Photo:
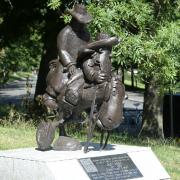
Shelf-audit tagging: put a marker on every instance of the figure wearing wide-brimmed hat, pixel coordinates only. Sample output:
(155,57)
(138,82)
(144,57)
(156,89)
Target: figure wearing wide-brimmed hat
(73,37)
(70,40)
(80,79)
(80,13)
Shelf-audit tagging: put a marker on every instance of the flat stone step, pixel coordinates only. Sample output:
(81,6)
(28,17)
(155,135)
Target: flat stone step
(117,161)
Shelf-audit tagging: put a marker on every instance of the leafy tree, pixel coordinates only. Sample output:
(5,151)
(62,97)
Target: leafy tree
(53,21)
(20,38)
(18,22)
(150,40)
(28,30)
(22,55)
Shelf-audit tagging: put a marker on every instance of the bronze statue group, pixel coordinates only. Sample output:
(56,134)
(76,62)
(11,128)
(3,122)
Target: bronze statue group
(81,79)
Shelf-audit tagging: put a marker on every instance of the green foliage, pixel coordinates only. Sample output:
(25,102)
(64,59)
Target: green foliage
(66,18)
(21,55)
(161,54)
(1,20)
(54,4)
(13,137)
(117,17)
(27,114)
(149,36)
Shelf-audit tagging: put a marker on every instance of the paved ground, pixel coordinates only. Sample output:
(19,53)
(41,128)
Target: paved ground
(135,100)
(15,91)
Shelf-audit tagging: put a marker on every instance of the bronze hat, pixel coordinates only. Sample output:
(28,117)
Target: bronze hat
(80,13)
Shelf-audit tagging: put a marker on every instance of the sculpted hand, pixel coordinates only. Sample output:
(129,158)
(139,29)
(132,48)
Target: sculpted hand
(72,69)
(100,78)
(89,51)
(85,52)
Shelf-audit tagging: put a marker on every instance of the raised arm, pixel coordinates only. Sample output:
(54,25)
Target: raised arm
(112,41)
(88,50)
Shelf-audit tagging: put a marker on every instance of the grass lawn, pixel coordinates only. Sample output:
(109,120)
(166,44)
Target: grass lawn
(170,159)
(167,151)
(137,83)
(17,137)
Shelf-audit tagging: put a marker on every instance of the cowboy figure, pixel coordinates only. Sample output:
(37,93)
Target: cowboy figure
(69,41)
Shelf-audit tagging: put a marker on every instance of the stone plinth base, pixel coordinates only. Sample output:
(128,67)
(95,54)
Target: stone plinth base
(31,164)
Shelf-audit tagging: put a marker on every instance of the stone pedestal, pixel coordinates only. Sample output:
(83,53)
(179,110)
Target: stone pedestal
(31,164)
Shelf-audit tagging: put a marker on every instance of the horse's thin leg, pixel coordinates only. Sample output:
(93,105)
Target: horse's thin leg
(102,138)
(103,146)
(89,134)
(91,121)
(106,141)
(60,119)
(62,131)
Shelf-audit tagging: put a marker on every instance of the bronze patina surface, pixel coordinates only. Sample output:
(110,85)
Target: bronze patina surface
(81,79)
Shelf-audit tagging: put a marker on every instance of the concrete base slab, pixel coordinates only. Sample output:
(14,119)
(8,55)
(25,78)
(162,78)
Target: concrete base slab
(31,164)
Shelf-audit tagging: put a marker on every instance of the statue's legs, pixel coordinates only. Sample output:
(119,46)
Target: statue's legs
(92,123)
(49,101)
(103,145)
(73,92)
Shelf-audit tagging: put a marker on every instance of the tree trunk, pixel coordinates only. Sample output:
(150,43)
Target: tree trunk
(152,114)
(132,77)
(122,69)
(51,30)
(48,54)
(120,72)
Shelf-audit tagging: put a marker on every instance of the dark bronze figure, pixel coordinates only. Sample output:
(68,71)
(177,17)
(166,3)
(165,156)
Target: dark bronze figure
(81,79)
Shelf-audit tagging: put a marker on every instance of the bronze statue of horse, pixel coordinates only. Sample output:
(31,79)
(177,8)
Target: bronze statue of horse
(93,89)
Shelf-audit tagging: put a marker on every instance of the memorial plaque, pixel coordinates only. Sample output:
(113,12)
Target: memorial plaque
(112,167)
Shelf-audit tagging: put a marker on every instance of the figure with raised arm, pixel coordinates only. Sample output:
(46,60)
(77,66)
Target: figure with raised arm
(69,41)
